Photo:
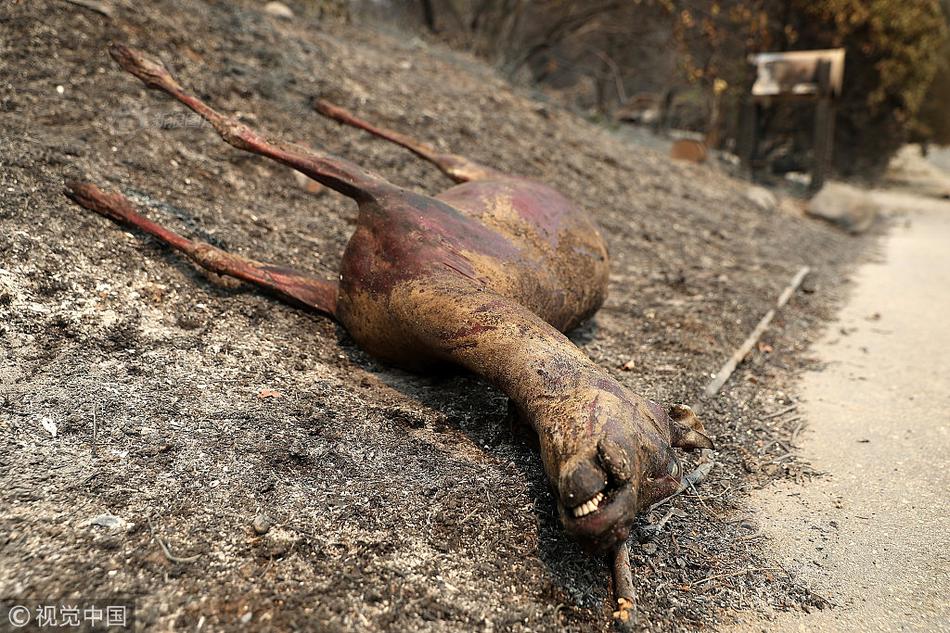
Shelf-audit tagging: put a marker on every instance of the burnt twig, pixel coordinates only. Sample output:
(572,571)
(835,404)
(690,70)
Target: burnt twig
(167,552)
(732,574)
(651,531)
(95,432)
(780,412)
(720,379)
(796,431)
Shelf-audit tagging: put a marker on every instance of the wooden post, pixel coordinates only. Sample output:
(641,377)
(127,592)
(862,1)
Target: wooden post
(428,16)
(662,125)
(824,127)
(748,133)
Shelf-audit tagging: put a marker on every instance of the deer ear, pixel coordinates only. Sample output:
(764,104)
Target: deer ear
(690,440)
(654,490)
(687,431)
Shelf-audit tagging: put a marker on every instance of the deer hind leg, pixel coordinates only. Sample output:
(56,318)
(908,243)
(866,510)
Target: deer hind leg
(457,167)
(337,173)
(290,285)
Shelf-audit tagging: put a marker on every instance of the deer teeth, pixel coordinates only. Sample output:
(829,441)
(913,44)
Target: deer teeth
(588,506)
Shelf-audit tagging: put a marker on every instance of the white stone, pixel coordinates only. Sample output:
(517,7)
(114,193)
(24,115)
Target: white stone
(762,198)
(109,521)
(849,207)
(279,10)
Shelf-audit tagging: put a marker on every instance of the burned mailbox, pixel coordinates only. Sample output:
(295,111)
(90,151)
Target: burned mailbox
(795,76)
(797,72)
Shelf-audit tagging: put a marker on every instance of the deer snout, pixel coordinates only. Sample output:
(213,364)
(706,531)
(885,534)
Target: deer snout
(580,481)
(616,460)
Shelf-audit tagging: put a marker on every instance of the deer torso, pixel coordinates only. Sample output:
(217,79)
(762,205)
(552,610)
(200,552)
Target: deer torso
(513,238)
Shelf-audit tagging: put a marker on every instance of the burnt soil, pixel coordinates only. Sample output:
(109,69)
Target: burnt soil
(189,406)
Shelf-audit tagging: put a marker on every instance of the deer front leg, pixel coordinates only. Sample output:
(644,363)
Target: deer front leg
(289,284)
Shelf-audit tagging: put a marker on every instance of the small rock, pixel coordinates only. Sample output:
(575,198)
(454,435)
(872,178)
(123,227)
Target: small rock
(108,521)
(279,10)
(688,150)
(261,524)
(762,198)
(848,207)
(233,179)
(49,426)
(279,541)
(309,185)
(188,321)
(809,284)
(648,548)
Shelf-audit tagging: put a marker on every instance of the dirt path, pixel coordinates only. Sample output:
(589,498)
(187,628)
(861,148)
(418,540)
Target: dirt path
(873,536)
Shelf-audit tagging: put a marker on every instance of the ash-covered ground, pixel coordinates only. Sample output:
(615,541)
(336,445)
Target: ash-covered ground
(189,407)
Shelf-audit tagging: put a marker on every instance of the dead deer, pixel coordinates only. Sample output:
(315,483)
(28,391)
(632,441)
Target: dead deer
(486,275)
